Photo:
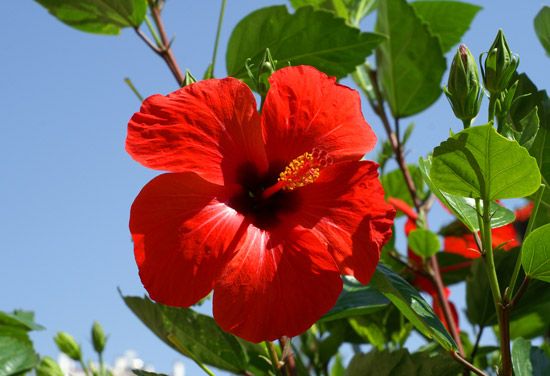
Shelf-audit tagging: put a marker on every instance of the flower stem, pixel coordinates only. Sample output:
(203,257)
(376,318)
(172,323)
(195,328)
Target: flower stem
(456,356)
(377,104)
(133,88)
(272,352)
(164,50)
(517,267)
(216,41)
(501,308)
(288,356)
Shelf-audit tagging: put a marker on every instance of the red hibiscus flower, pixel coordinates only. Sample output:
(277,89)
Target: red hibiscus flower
(266,210)
(421,282)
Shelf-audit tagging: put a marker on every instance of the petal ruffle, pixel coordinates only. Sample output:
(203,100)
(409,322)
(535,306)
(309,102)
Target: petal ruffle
(180,231)
(211,128)
(345,208)
(306,109)
(275,285)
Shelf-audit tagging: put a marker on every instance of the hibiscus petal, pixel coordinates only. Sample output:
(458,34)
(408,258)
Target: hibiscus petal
(211,128)
(306,109)
(180,231)
(275,285)
(345,208)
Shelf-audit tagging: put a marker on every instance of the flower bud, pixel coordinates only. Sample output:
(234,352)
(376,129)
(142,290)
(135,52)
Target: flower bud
(266,69)
(67,345)
(189,78)
(98,337)
(48,367)
(500,65)
(463,88)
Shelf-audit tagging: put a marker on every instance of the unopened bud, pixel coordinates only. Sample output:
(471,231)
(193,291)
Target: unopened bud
(500,65)
(463,88)
(267,67)
(48,367)
(68,346)
(98,337)
(189,78)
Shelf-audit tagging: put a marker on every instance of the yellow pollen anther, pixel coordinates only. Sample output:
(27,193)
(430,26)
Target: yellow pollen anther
(303,170)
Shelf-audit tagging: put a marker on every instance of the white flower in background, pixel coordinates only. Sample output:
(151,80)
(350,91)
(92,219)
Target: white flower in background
(123,365)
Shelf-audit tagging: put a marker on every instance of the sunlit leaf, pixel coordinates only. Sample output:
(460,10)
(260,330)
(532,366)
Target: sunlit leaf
(424,242)
(395,186)
(521,361)
(98,16)
(479,163)
(309,37)
(535,255)
(464,208)
(192,334)
(448,20)
(410,62)
(16,356)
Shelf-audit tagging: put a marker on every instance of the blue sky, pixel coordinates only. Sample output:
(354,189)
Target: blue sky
(67,183)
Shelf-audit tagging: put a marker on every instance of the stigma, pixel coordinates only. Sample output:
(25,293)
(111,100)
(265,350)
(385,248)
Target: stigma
(300,172)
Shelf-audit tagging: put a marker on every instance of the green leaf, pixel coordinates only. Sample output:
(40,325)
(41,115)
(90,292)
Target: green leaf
(531,325)
(408,300)
(535,255)
(480,163)
(410,62)
(401,363)
(16,356)
(479,304)
(97,16)
(337,368)
(424,242)
(542,27)
(307,37)
(464,208)
(192,334)
(540,362)
(382,328)
(521,357)
(395,186)
(20,319)
(356,299)
(338,7)
(140,372)
(351,10)
(527,98)
(447,20)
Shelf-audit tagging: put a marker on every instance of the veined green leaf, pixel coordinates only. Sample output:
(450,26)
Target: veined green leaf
(447,20)
(464,208)
(309,37)
(408,300)
(410,62)
(535,255)
(97,16)
(479,163)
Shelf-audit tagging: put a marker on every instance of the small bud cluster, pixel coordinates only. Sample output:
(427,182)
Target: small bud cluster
(464,90)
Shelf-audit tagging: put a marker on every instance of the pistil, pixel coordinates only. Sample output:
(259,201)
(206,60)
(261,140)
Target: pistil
(300,172)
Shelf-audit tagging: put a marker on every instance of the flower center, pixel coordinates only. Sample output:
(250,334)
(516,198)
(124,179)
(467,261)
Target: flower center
(302,171)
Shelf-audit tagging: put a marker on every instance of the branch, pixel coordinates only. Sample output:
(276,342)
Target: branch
(456,356)
(288,356)
(395,142)
(164,50)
